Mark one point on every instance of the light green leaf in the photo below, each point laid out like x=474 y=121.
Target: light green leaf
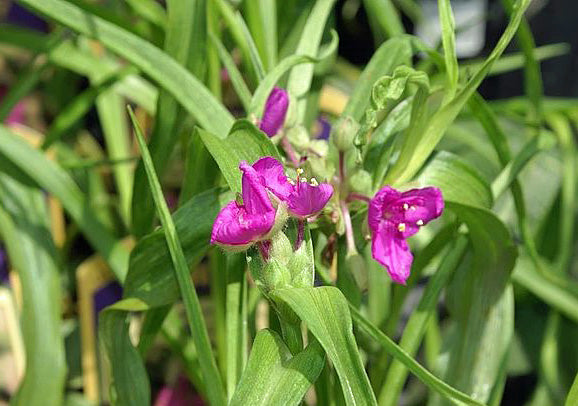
x=245 y=142
x=273 y=376
x=327 y=315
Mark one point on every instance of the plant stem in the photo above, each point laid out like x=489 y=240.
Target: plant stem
x=291 y=154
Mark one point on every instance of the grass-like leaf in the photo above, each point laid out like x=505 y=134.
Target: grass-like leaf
x=215 y=391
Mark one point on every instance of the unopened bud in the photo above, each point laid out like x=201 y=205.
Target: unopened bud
x=344 y=133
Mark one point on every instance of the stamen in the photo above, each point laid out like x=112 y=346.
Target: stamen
x=299 y=171
x=291 y=181
x=401 y=227
x=406 y=206
x=314 y=182
x=419 y=222
x=302 y=180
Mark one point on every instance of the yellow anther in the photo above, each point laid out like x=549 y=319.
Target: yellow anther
x=302 y=179
x=299 y=171
x=314 y=182
x=406 y=206
x=419 y=222
x=401 y=227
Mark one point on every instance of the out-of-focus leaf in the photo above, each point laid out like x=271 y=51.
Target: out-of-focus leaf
x=301 y=76
x=273 y=376
x=327 y=315
x=269 y=81
x=245 y=142
x=446 y=18
x=50 y=177
x=572 y=398
x=25 y=229
x=188 y=90
x=385 y=15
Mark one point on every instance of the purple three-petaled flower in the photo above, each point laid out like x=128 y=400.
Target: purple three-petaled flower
x=240 y=225
x=275 y=111
x=394 y=216
x=303 y=199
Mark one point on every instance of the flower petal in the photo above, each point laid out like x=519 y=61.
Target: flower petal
x=392 y=252
x=308 y=200
x=273 y=176
x=382 y=201
x=424 y=205
x=255 y=197
x=235 y=226
x=275 y=111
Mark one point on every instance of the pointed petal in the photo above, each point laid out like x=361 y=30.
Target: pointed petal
x=255 y=197
x=275 y=111
x=308 y=200
x=382 y=201
x=234 y=226
x=424 y=205
x=392 y=252
x=273 y=176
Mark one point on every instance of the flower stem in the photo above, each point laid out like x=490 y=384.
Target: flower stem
x=291 y=154
x=358 y=196
x=348 y=228
x=264 y=247
x=300 y=233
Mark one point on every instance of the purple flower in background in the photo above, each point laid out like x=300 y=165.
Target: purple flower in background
x=240 y=225
x=394 y=216
x=275 y=111
x=179 y=395
x=303 y=199
x=3 y=266
x=322 y=128
x=17 y=114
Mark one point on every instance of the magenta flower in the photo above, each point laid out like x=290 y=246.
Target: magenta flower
x=240 y=225
x=303 y=199
x=275 y=111
x=394 y=216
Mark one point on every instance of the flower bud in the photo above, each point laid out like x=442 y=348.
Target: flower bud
x=361 y=182
x=275 y=111
x=344 y=133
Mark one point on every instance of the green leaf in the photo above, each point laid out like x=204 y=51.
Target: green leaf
x=458 y=181
x=301 y=76
x=185 y=20
x=327 y=315
x=572 y=398
x=57 y=182
x=411 y=159
x=273 y=376
x=236 y=78
x=213 y=384
x=245 y=142
x=130 y=384
x=449 y=42
x=386 y=16
x=151 y=276
x=400 y=354
x=269 y=81
x=390 y=55
x=480 y=300
x=188 y=90
x=25 y=230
